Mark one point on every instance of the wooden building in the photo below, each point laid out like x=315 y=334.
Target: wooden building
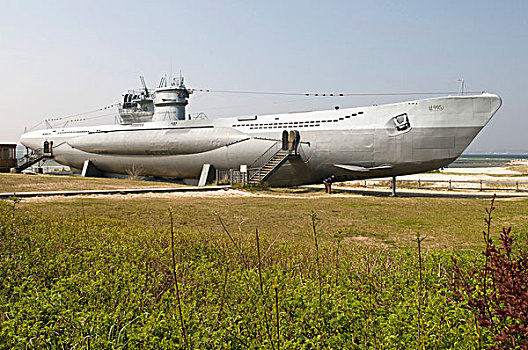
x=8 y=158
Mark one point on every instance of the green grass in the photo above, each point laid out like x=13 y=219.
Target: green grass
x=97 y=272
x=446 y=223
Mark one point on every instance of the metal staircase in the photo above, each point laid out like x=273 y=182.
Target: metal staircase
x=46 y=152
x=259 y=175
x=269 y=162
x=30 y=160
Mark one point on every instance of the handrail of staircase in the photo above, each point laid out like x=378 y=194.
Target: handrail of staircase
x=28 y=158
x=35 y=152
x=252 y=172
x=29 y=162
x=268 y=153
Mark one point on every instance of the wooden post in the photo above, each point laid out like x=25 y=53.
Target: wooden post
x=481 y=185
x=394 y=187
x=419 y=183
x=450 y=188
x=517 y=186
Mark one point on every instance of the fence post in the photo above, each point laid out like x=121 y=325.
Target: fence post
x=450 y=188
x=481 y=185
x=365 y=184
x=517 y=186
x=419 y=183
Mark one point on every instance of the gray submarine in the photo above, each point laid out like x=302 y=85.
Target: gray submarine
x=155 y=135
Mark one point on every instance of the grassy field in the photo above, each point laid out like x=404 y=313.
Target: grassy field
x=446 y=223
x=11 y=183
x=323 y=272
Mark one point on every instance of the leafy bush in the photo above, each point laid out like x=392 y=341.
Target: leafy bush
x=497 y=292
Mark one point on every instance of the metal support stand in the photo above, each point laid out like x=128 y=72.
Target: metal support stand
x=394 y=187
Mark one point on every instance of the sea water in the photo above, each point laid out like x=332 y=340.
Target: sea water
x=485 y=160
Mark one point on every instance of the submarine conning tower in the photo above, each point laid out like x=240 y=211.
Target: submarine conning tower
x=170 y=102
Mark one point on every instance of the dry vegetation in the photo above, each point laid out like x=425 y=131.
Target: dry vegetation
x=523 y=169
x=11 y=183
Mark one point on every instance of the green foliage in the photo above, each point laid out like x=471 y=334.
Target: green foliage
x=496 y=292
x=100 y=283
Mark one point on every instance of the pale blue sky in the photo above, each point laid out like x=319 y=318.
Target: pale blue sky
x=65 y=57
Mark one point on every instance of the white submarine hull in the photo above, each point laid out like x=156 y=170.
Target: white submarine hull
x=353 y=143
x=170 y=141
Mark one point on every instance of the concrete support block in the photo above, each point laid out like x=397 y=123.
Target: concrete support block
x=89 y=170
x=207 y=176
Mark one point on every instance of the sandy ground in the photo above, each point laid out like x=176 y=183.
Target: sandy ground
x=490 y=171
x=437 y=186
x=342 y=192
x=460 y=177
x=228 y=193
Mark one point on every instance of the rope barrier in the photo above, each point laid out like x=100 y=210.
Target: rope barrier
x=415 y=93
x=84 y=113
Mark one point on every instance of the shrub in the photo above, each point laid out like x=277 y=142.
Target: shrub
x=497 y=291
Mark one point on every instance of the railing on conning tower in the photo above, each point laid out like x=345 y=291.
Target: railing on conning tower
x=128 y=116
